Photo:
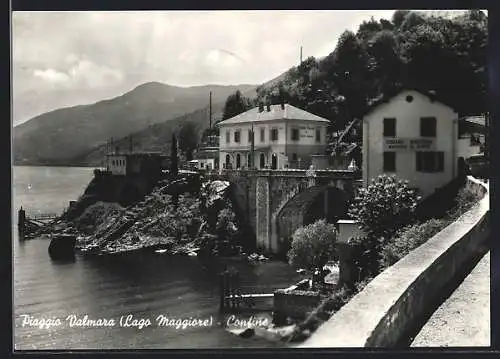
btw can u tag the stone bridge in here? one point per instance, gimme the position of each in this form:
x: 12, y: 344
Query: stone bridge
x: 277, y: 202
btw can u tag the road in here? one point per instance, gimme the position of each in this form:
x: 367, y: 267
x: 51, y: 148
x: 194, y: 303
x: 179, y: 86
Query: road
x: 464, y: 318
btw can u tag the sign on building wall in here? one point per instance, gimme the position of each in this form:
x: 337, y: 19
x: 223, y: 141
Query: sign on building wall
x: 307, y: 131
x: 409, y: 144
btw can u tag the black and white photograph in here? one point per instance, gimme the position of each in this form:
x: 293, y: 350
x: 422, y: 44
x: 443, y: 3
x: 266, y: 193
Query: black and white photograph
x: 250, y: 179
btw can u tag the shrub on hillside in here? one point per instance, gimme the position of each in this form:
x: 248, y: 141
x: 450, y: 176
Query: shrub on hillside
x: 226, y: 224
x: 96, y: 215
x: 466, y: 198
x: 385, y: 206
x: 409, y: 238
x: 365, y: 255
x: 313, y: 246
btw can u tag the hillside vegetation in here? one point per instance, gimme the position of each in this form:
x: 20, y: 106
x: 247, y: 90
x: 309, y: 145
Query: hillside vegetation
x: 446, y: 55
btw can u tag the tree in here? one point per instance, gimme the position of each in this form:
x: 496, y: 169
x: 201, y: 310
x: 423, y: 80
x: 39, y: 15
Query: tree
x: 174, y: 165
x: 399, y: 16
x: 387, y: 205
x: 188, y: 139
x: 235, y: 104
x: 313, y: 246
x: 367, y: 29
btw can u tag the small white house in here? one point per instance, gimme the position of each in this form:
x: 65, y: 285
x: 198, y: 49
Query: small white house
x: 413, y: 136
x: 117, y: 164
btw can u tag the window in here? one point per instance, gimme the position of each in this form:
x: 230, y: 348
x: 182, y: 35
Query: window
x: 237, y: 136
x: 228, y: 137
x: 389, y: 127
x: 428, y: 127
x: 318, y: 135
x: 294, y: 157
x: 202, y: 164
x: 389, y: 161
x: 262, y: 135
x: 250, y: 135
x: 430, y: 161
x: 295, y: 134
x: 274, y: 134
x: 238, y: 161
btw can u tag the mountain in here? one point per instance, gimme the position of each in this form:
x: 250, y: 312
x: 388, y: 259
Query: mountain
x: 155, y: 138
x: 59, y: 136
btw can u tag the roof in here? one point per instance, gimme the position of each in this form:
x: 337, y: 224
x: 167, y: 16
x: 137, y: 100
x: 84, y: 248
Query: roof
x: 386, y: 97
x: 477, y: 120
x: 276, y: 112
x: 473, y: 124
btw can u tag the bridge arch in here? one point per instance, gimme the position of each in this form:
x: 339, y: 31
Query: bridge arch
x: 305, y: 207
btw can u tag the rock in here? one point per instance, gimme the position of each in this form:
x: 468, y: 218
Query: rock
x: 62, y: 247
x: 242, y: 332
x: 276, y: 333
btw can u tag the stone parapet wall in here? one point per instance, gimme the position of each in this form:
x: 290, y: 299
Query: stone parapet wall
x: 391, y: 305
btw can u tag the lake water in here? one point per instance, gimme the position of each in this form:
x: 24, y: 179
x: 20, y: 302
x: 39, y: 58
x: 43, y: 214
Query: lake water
x: 110, y: 288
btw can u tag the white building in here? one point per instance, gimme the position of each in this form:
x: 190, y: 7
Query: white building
x: 413, y: 136
x: 284, y: 137
x: 125, y: 164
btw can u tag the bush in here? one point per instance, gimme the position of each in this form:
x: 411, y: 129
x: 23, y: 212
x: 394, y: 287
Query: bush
x: 409, y: 238
x: 226, y: 224
x: 313, y: 245
x: 365, y: 255
x: 385, y: 206
x: 466, y: 198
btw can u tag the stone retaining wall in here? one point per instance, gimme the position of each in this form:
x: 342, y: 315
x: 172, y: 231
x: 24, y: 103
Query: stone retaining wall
x: 391, y: 304
x: 296, y: 304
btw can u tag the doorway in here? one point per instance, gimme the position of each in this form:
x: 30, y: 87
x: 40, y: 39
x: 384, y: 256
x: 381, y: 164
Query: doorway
x: 274, y: 161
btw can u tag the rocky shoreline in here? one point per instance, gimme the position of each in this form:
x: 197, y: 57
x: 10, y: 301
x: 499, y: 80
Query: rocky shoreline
x: 171, y: 220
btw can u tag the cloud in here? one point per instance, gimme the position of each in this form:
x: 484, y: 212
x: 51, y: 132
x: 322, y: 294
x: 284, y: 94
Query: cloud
x: 82, y: 73
x: 94, y: 55
x: 51, y: 76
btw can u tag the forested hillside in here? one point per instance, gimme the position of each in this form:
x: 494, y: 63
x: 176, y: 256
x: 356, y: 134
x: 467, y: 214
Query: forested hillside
x: 446, y: 55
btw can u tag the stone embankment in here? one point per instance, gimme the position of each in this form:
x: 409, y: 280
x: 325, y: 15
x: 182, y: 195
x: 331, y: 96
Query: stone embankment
x: 168, y: 220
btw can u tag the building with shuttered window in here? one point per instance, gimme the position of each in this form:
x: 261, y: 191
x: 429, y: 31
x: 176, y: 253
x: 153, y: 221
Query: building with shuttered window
x: 283, y: 136
x: 413, y: 136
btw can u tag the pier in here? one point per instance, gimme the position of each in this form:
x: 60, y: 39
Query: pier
x: 233, y: 300
x: 29, y: 223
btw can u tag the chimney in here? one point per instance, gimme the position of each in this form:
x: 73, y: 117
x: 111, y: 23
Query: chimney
x: 261, y: 107
x: 268, y: 107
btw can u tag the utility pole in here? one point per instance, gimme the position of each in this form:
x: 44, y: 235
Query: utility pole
x: 252, y: 149
x: 210, y: 113
x: 301, y: 55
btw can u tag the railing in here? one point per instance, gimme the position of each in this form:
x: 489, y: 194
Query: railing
x: 42, y: 216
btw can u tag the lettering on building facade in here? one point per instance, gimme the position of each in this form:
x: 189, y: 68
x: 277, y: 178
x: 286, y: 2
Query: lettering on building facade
x: 307, y: 131
x: 409, y: 144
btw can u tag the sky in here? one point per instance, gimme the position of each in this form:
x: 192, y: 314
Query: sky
x: 62, y: 59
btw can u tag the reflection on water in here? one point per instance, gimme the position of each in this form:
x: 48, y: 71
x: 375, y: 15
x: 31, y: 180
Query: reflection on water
x: 144, y: 286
